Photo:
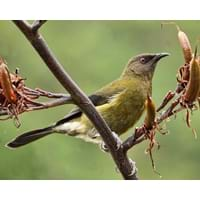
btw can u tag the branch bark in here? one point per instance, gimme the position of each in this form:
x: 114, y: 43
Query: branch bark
x: 37, y: 24
x: 124, y: 164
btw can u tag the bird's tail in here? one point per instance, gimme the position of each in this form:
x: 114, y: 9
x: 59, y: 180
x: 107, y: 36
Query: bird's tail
x: 30, y: 136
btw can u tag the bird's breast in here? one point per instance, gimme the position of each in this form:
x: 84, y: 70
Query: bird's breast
x: 124, y: 110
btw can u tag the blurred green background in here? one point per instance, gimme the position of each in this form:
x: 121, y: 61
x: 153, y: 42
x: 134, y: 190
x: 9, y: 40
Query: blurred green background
x: 94, y: 53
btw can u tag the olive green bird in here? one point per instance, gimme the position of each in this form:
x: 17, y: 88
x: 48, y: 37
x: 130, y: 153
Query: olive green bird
x: 121, y: 103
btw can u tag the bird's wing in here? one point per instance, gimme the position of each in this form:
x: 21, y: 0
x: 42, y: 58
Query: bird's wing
x: 72, y: 115
x: 101, y: 97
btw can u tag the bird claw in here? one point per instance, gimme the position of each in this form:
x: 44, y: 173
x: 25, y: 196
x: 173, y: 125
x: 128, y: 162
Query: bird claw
x: 104, y: 147
x: 119, y: 142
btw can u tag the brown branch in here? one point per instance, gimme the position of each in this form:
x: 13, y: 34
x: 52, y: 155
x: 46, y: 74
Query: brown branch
x: 58, y: 102
x: 37, y: 24
x: 131, y: 141
x: 61, y: 100
x: 125, y: 166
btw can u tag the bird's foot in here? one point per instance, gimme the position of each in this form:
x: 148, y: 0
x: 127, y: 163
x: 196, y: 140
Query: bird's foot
x: 117, y: 139
x: 104, y: 147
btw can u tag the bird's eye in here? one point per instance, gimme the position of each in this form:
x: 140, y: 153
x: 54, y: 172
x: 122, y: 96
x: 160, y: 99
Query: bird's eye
x: 142, y: 60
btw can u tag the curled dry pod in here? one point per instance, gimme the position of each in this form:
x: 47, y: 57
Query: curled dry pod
x: 185, y: 45
x: 193, y: 86
x: 150, y: 113
x: 184, y: 42
x: 5, y: 83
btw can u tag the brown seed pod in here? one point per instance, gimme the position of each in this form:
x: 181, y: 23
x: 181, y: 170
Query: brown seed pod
x: 184, y: 42
x: 193, y: 86
x: 185, y: 45
x: 6, y: 84
x: 150, y: 114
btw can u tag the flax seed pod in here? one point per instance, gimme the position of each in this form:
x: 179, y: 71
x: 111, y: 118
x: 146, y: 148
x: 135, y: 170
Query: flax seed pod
x: 193, y: 86
x: 6, y: 84
x: 150, y: 113
x: 184, y: 42
x: 185, y: 45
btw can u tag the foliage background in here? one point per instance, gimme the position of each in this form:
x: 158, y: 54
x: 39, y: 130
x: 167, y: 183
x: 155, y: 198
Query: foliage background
x: 94, y: 53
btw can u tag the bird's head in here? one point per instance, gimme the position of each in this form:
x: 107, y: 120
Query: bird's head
x: 143, y: 65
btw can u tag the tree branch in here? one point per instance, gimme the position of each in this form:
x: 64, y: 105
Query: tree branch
x: 58, y: 102
x: 131, y: 141
x: 125, y: 166
x: 37, y: 24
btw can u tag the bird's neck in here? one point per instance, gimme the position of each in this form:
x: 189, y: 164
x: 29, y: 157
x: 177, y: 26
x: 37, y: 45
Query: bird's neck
x: 141, y: 83
x: 144, y: 78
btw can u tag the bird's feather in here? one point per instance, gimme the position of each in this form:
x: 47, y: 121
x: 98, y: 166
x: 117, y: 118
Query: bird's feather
x: 99, y: 98
x: 30, y: 137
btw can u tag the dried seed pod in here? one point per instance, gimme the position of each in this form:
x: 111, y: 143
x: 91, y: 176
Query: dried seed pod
x: 6, y: 84
x: 150, y: 114
x: 185, y: 45
x: 184, y: 42
x: 193, y: 86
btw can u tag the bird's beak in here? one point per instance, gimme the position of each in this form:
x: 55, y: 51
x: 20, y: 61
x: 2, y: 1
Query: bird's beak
x: 158, y: 56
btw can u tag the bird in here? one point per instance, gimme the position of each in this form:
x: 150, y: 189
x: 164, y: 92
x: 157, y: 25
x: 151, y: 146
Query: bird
x: 121, y: 103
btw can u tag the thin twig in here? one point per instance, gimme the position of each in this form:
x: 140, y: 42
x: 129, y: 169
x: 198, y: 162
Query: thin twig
x: 37, y: 24
x: 53, y: 95
x: 122, y: 161
x: 131, y: 141
x: 50, y: 104
x: 44, y: 105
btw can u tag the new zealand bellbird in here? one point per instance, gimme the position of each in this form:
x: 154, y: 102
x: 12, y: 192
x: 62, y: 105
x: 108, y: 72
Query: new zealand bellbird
x: 121, y: 103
